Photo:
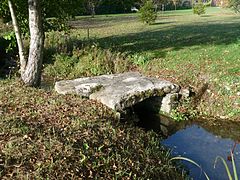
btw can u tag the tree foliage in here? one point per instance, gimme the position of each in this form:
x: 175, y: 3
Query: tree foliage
x: 199, y: 8
x: 235, y: 4
x: 147, y: 12
x: 91, y: 6
x: 34, y: 13
x: 21, y: 7
x: 60, y: 10
x: 117, y: 6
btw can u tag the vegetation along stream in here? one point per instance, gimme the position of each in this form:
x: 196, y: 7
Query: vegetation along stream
x: 203, y: 142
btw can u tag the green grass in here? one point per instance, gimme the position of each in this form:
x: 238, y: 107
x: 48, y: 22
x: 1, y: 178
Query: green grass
x: 180, y: 46
x: 42, y: 133
x: 234, y: 168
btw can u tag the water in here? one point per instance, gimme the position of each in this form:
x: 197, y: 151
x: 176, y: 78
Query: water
x: 200, y: 145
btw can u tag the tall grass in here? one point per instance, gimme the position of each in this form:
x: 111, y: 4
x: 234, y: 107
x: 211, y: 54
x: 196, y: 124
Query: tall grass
x: 230, y: 176
x: 227, y: 168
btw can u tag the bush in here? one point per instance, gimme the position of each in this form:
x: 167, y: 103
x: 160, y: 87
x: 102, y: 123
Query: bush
x: 61, y: 42
x: 61, y: 68
x: 97, y: 61
x: 147, y: 13
x: 199, y: 8
x: 90, y: 61
x: 235, y: 4
x: 8, y: 64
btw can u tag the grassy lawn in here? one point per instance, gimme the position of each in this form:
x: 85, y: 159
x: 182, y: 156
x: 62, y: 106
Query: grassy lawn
x: 44, y: 135
x: 180, y: 46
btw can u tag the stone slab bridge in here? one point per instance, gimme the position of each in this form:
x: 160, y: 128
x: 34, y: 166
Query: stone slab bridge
x: 122, y: 91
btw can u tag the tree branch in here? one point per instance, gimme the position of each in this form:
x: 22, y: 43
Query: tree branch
x: 18, y: 37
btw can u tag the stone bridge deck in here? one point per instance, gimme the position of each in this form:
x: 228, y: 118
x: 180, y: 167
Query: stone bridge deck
x: 121, y: 91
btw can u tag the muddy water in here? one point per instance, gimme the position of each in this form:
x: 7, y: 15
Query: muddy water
x: 202, y: 142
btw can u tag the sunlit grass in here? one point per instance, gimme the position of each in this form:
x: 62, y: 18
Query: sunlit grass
x: 181, y: 47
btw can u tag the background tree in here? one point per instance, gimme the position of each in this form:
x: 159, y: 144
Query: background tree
x: 91, y: 6
x: 117, y: 6
x: 235, y: 4
x: 175, y: 4
x: 148, y: 13
x: 158, y: 3
x: 28, y: 18
x: 199, y: 8
x: 30, y: 67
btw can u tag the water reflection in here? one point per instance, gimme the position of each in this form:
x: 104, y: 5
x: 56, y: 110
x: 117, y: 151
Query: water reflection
x: 203, y: 147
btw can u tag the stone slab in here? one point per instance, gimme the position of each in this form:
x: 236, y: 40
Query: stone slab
x: 118, y: 91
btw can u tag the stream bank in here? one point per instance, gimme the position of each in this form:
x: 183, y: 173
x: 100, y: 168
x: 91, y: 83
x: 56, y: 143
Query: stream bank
x: 200, y: 140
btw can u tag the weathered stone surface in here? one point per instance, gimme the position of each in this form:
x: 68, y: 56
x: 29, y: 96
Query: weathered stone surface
x: 119, y: 91
x: 169, y: 102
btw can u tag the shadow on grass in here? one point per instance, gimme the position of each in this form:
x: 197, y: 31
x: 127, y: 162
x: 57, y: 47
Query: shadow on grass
x: 207, y: 15
x: 99, y: 22
x: 159, y: 40
x: 163, y: 23
x: 176, y: 37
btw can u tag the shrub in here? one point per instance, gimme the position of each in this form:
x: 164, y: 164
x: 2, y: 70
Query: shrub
x: 235, y: 4
x: 8, y: 64
x: 90, y: 61
x: 147, y: 13
x: 199, y: 8
x: 63, y: 65
x: 96, y: 61
x: 61, y: 42
x: 140, y: 60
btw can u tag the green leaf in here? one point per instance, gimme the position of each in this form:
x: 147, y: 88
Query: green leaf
x: 191, y: 161
x: 225, y: 164
x: 234, y: 167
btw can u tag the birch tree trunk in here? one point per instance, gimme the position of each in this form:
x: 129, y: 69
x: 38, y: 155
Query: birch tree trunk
x: 30, y: 68
x: 18, y: 36
x: 32, y: 73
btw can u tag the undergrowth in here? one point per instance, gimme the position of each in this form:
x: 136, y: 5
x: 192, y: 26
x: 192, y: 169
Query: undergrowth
x: 87, y: 61
x: 181, y: 47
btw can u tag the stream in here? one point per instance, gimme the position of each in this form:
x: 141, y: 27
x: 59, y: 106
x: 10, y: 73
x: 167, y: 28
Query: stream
x: 200, y: 140
x: 203, y: 142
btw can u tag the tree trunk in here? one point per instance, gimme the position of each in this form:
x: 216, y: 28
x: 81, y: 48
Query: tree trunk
x: 32, y: 73
x: 18, y: 37
x: 92, y: 9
